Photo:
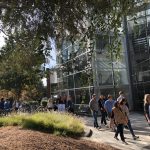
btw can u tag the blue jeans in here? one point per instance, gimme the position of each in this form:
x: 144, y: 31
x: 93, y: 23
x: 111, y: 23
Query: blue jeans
x: 95, y: 114
x: 130, y: 128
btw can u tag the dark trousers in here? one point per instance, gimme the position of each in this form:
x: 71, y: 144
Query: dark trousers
x: 95, y: 113
x: 120, y: 130
x: 103, y: 117
x: 130, y: 128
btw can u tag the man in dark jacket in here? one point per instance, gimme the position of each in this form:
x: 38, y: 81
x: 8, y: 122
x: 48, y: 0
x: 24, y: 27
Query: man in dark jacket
x: 101, y: 103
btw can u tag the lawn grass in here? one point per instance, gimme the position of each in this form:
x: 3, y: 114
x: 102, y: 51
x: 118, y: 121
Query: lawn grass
x: 57, y: 123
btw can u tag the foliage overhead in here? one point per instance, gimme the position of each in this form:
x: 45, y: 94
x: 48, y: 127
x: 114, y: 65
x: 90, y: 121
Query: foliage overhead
x: 63, y: 18
x: 29, y: 24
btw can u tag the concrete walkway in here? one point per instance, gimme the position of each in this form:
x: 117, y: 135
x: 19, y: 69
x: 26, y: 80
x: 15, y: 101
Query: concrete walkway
x: 104, y: 135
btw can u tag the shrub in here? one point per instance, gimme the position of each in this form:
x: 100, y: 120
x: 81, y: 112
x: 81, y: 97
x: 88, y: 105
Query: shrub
x: 57, y: 123
x: 11, y: 120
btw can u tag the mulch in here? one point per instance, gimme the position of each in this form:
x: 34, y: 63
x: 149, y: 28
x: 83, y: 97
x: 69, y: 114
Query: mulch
x: 16, y: 138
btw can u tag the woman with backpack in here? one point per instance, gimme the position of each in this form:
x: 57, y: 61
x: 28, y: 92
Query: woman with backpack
x: 120, y: 119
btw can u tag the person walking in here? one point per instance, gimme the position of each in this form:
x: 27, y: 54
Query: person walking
x: 126, y: 111
x: 61, y: 104
x: 147, y: 107
x: 101, y: 103
x: 93, y: 104
x: 69, y: 104
x: 121, y: 96
x: 109, y: 104
x: 6, y: 107
x: 2, y: 106
x: 50, y: 105
x: 120, y: 120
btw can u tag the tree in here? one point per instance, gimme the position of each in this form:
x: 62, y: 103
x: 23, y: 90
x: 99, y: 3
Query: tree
x: 20, y: 64
x: 63, y: 18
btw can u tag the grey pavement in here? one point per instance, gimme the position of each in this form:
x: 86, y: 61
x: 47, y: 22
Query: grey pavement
x: 106, y: 136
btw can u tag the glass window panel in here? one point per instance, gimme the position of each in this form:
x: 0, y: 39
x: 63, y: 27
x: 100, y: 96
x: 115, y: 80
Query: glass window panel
x: 72, y: 94
x: 82, y: 96
x: 101, y: 43
x: 105, y: 77
x: 70, y: 81
x: 65, y: 83
x: 120, y: 76
x: 147, y: 88
x: 104, y: 65
x: 83, y: 79
x: 138, y: 96
x: 107, y: 90
x: 60, y: 85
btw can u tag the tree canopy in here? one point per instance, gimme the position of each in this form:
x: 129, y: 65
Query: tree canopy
x: 20, y: 66
x: 59, y: 18
x: 28, y: 24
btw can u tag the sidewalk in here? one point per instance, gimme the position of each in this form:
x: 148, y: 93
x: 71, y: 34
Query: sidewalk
x: 104, y: 135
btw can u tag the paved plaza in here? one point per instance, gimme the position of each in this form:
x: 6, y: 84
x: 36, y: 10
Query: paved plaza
x: 105, y: 135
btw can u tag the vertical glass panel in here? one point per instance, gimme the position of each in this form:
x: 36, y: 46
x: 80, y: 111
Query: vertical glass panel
x: 108, y: 90
x: 143, y: 71
x: 72, y: 94
x: 120, y: 76
x: 60, y: 85
x: 70, y: 81
x: 83, y: 79
x: 139, y: 95
x: 82, y: 96
x: 65, y: 83
x: 101, y: 43
x: 105, y: 77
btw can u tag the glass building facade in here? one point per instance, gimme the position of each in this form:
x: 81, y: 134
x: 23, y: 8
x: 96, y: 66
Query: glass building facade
x: 139, y: 47
x: 75, y: 72
x: 111, y: 72
x: 82, y: 71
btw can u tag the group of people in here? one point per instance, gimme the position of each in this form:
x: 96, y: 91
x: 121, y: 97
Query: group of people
x: 7, y: 105
x: 116, y: 111
x: 62, y: 104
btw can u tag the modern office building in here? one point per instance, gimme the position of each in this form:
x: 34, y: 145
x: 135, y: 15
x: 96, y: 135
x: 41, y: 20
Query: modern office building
x: 82, y: 71
x: 139, y: 53
x: 75, y: 76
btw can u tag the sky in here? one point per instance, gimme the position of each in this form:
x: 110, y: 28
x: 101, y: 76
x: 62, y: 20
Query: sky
x: 53, y: 54
x: 2, y: 42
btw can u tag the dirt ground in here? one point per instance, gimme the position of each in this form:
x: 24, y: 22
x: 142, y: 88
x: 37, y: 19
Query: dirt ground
x: 16, y: 138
